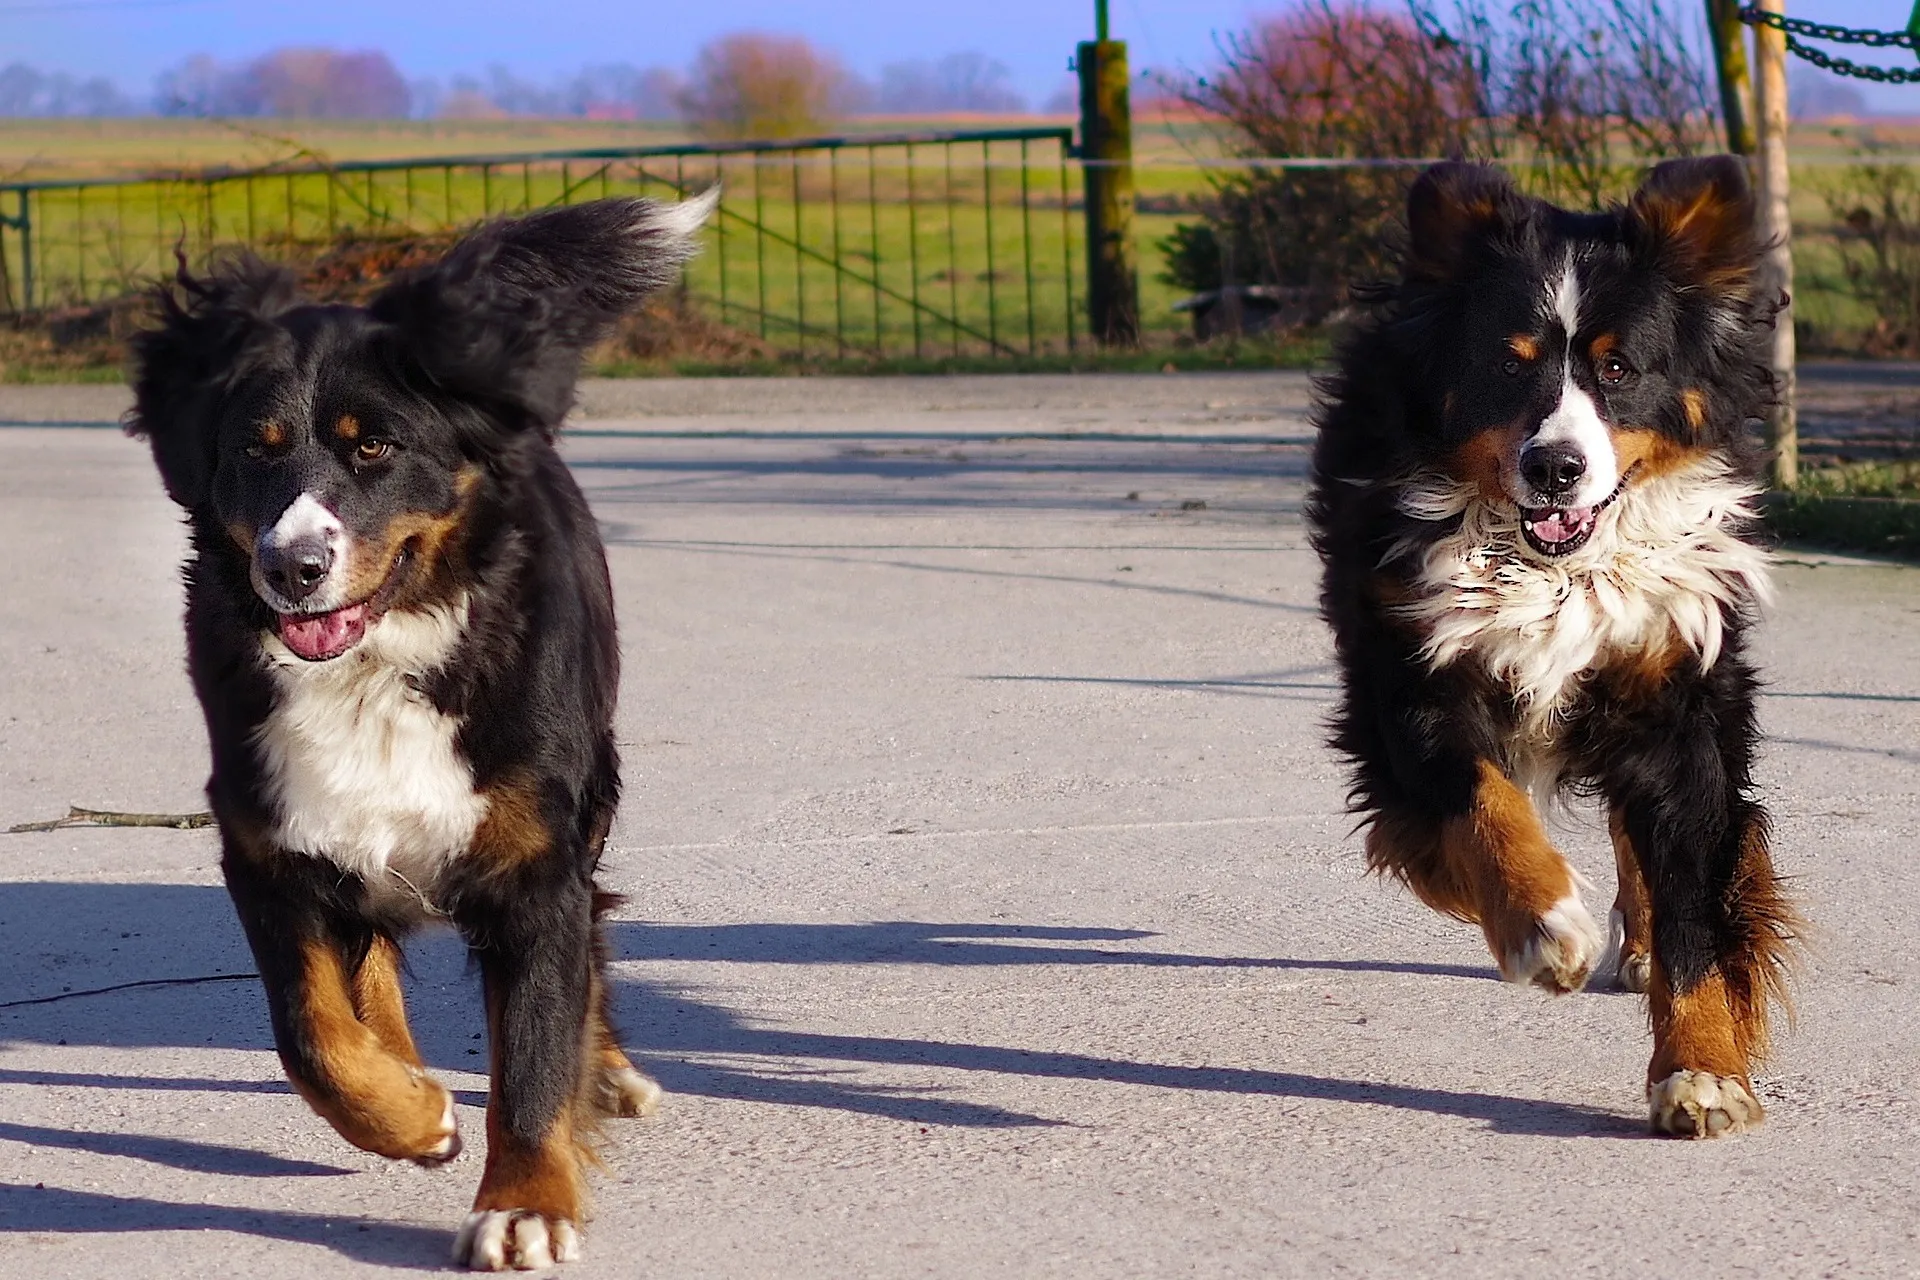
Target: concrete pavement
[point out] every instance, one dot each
(992, 910)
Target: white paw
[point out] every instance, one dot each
(449, 1144)
(1632, 971)
(1562, 951)
(514, 1240)
(630, 1092)
(1699, 1104)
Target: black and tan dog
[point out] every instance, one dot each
(401, 630)
(1532, 494)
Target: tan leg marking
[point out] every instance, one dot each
(1528, 903)
(1632, 921)
(379, 1101)
(379, 1003)
(1697, 1083)
(615, 1086)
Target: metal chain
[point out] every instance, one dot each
(1791, 27)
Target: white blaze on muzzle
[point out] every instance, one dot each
(306, 527)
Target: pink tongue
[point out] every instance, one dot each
(1558, 526)
(324, 635)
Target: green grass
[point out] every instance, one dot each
(1876, 526)
(1293, 351)
(921, 276)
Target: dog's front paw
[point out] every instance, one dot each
(1699, 1104)
(1559, 951)
(628, 1091)
(514, 1240)
(445, 1145)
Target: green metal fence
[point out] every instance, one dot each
(925, 244)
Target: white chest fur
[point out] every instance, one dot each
(362, 769)
(1663, 562)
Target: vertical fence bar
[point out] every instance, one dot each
(1026, 242)
(913, 251)
(873, 229)
(372, 217)
(839, 272)
(759, 242)
(720, 217)
(486, 191)
(526, 184)
(1066, 243)
(26, 250)
(953, 258)
(80, 237)
(799, 261)
(986, 199)
(446, 196)
(119, 251)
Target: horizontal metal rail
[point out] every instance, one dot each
(837, 246)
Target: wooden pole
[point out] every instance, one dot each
(1770, 101)
(1730, 61)
(1106, 150)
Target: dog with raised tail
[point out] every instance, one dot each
(400, 627)
(1533, 496)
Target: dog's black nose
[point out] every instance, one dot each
(1552, 469)
(297, 569)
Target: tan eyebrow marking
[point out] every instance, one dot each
(348, 427)
(1603, 345)
(1525, 346)
(272, 434)
(1694, 402)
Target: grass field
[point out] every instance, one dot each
(956, 252)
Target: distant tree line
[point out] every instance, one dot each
(740, 84)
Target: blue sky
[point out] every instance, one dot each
(131, 40)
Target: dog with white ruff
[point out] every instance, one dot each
(401, 631)
(1533, 497)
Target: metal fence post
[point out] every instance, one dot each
(26, 252)
(1106, 151)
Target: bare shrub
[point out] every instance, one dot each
(1582, 94)
(1325, 81)
(754, 85)
(1577, 95)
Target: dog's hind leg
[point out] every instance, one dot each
(1631, 924)
(614, 1086)
(379, 1003)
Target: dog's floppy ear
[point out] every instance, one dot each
(1450, 205)
(209, 326)
(1699, 216)
(505, 318)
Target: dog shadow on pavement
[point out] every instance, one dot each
(94, 970)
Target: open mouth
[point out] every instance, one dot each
(1559, 531)
(320, 636)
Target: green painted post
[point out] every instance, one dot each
(1730, 60)
(1106, 153)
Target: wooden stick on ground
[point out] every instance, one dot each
(78, 817)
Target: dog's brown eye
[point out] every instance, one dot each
(372, 450)
(1613, 370)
